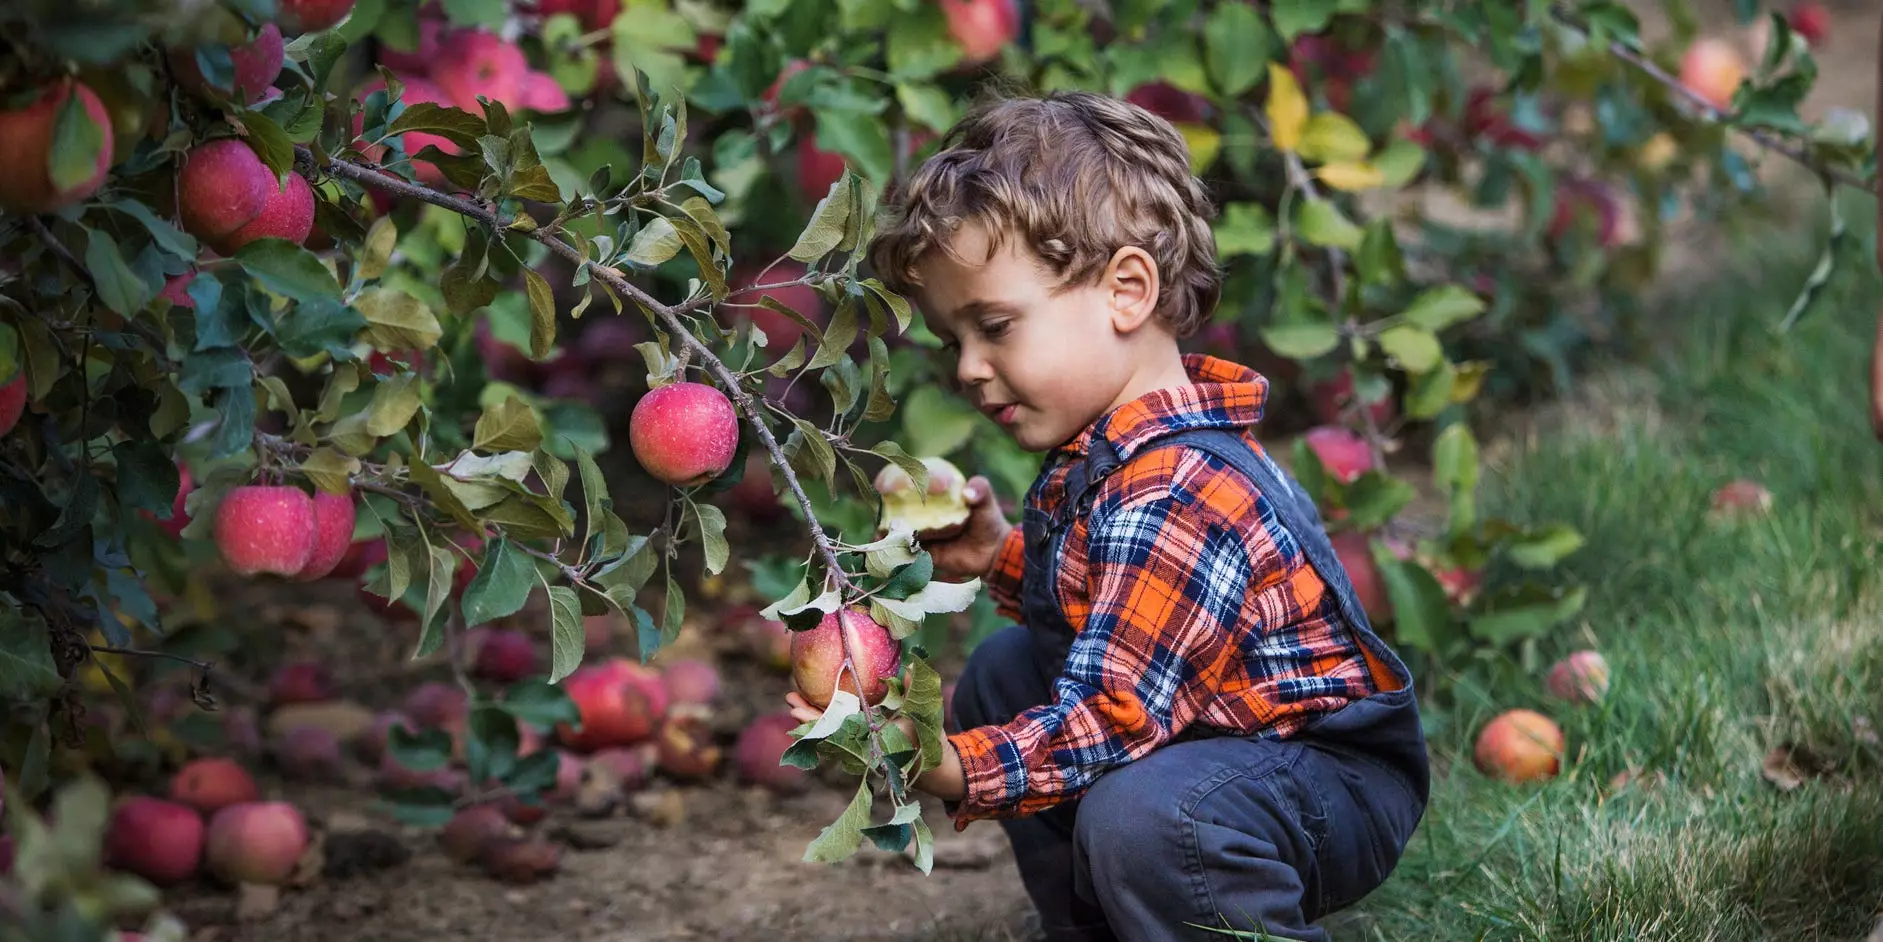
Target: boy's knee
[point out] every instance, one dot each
(1000, 679)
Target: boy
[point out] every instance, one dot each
(1194, 725)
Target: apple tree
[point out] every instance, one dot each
(318, 289)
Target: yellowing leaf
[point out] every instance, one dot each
(1205, 143)
(1287, 109)
(1332, 137)
(1351, 176)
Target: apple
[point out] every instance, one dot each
(818, 170)
(1341, 451)
(418, 89)
(626, 767)
(684, 433)
(161, 841)
(772, 91)
(12, 403)
(179, 517)
(464, 836)
(256, 842)
(211, 784)
(520, 860)
(301, 682)
(620, 703)
(1741, 497)
(473, 63)
(1581, 677)
(436, 705)
(1519, 746)
(1356, 557)
(257, 62)
(1331, 397)
(505, 657)
(26, 138)
(686, 747)
(1171, 103)
(1812, 21)
(221, 187)
(1460, 583)
(938, 512)
(310, 753)
(431, 33)
(760, 747)
(287, 214)
(333, 534)
(1712, 69)
(817, 657)
(266, 528)
(690, 680)
(312, 16)
(981, 27)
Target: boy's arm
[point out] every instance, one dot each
(1167, 583)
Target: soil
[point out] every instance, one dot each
(726, 868)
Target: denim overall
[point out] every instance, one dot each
(1215, 828)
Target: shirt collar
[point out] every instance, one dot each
(1221, 394)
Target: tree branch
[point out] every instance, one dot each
(1763, 138)
(668, 314)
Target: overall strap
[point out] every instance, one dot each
(1302, 521)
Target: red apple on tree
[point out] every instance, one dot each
(26, 137)
(256, 64)
(221, 187)
(981, 27)
(1341, 451)
(684, 433)
(817, 658)
(12, 403)
(266, 528)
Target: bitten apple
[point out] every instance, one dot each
(937, 512)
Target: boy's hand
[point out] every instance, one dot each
(946, 782)
(972, 553)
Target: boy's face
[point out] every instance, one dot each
(1040, 358)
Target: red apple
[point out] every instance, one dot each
(435, 704)
(301, 682)
(772, 91)
(684, 433)
(333, 534)
(287, 214)
(761, 744)
(312, 16)
(1171, 103)
(1712, 69)
(817, 657)
(1581, 677)
(1342, 452)
(464, 836)
(1519, 746)
(690, 680)
(161, 841)
(1355, 556)
(505, 657)
(12, 403)
(981, 27)
(26, 136)
(211, 784)
(473, 63)
(818, 170)
(256, 842)
(179, 518)
(1460, 584)
(221, 187)
(1332, 397)
(1812, 21)
(520, 860)
(257, 62)
(626, 766)
(1743, 496)
(686, 747)
(620, 702)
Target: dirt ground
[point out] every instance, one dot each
(715, 861)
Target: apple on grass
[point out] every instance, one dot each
(1519, 746)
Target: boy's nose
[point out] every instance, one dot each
(973, 369)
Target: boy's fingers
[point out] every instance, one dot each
(976, 491)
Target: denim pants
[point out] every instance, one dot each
(1228, 832)
(1244, 833)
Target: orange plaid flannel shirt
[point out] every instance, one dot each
(1192, 606)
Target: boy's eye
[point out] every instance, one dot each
(995, 329)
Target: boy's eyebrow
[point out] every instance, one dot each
(983, 306)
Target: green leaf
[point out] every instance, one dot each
(1294, 17)
(27, 671)
(147, 478)
(457, 125)
(330, 470)
(935, 423)
(828, 220)
(397, 321)
(322, 325)
(287, 269)
(169, 237)
(1399, 162)
(394, 403)
(862, 138)
(926, 105)
(1455, 470)
(118, 286)
(376, 253)
(1416, 348)
(1431, 391)
(823, 458)
(1421, 614)
(1542, 549)
(77, 141)
(1301, 341)
(443, 569)
(1527, 611)
(1331, 137)
(566, 639)
(271, 144)
(1438, 308)
(1323, 224)
(509, 425)
(490, 743)
(923, 703)
(918, 44)
(837, 337)
(542, 314)
(656, 243)
(1235, 42)
(713, 536)
(424, 751)
(1245, 229)
(840, 838)
(501, 587)
(441, 493)
(539, 704)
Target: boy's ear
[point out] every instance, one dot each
(1131, 286)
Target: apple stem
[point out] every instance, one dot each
(369, 176)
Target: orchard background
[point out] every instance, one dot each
(423, 426)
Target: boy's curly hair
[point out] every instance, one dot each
(1078, 176)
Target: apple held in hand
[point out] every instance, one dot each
(938, 512)
(817, 658)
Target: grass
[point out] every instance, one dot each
(1724, 640)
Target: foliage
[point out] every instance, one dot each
(478, 198)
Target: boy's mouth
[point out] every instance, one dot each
(1001, 412)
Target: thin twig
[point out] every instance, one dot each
(1763, 138)
(204, 666)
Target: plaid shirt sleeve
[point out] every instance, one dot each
(1168, 574)
(1003, 578)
